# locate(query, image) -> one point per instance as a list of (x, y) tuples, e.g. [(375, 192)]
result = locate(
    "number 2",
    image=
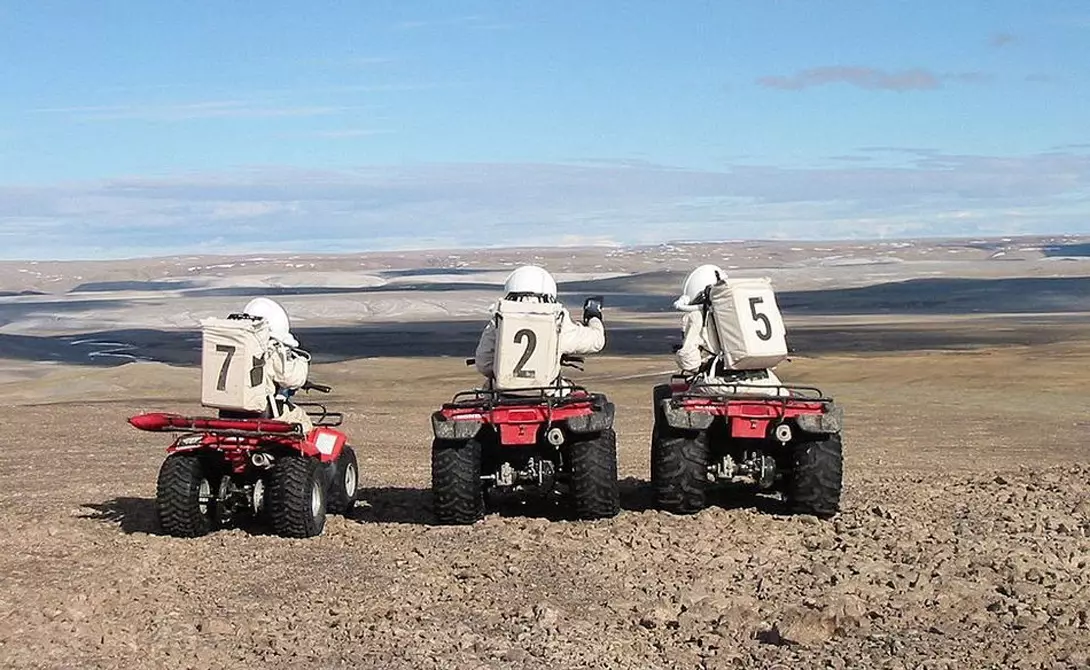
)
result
[(531, 346), (758, 317), (221, 383)]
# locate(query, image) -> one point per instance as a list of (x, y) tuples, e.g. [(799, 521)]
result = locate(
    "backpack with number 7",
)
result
[(233, 373), (748, 324)]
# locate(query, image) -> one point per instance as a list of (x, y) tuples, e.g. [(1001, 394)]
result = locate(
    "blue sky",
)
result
[(142, 128)]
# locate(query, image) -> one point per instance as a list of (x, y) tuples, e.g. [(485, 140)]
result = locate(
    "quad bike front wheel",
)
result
[(660, 427), (679, 470), (345, 485), (457, 493), (813, 483), (594, 489), (296, 497), (185, 496)]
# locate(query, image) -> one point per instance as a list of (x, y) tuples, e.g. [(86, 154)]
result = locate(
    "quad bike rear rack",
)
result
[(488, 398), (534, 395), (785, 392), (163, 422)]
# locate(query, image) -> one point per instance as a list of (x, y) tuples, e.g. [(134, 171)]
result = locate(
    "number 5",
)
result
[(758, 317)]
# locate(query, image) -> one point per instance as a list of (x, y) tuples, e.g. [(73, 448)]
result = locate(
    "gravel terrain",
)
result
[(964, 541)]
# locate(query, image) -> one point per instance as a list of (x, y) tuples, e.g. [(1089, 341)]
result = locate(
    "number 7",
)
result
[(221, 383)]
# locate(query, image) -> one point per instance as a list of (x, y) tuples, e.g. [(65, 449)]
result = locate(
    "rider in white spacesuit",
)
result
[(287, 364), (534, 284)]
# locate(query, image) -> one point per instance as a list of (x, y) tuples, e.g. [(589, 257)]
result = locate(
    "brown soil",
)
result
[(964, 541)]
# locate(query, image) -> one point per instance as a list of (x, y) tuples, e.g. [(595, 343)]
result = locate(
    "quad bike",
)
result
[(716, 432), (223, 470), (558, 438)]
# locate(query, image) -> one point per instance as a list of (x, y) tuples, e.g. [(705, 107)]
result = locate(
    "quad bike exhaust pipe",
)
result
[(261, 460), (783, 433), (555, 436)]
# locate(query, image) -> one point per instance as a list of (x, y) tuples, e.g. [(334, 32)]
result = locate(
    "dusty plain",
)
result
[(964, 541)]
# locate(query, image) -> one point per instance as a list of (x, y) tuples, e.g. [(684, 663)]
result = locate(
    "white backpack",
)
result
[(748, 324), (527, 353), (233, 375)]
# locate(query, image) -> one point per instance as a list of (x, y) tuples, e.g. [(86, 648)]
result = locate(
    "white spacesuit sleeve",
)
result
[(287, 368), (575, 338), (486, 349), (690, 355)]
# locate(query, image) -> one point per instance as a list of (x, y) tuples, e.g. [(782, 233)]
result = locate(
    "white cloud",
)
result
[(467, 205), (913, 79)]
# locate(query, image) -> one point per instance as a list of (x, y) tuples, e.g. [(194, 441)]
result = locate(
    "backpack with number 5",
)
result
[(233, 373), (527, 353), (748, 324)]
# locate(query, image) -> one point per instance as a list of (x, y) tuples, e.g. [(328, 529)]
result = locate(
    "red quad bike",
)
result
[(220, 471), (720, 432), (548, 438)]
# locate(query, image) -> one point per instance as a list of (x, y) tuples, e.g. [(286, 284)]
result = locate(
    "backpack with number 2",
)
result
[(233, 373), (527, 353), (748, 323)]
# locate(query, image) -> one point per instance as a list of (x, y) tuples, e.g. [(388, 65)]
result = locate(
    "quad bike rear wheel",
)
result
[(679, 470), (185, 495), (594, 490), (457, 493), (813, 483), (296, 497), (345, 484)]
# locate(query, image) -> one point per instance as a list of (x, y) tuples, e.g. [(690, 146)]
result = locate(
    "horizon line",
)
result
[(968, 239)]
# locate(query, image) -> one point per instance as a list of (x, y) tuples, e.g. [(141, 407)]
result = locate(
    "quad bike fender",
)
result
[(594, 422), (455, 429), (323, 443), (831, 421), (678, 417)]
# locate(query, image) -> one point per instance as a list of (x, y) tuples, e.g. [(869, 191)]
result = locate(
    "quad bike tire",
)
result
[(457, 493), (296, 497), (344, 486), (594, 490), (185, 496), (679, 470), (814, 481), (660, 428)]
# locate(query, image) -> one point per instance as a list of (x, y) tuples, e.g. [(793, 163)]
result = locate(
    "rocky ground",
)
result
[(964, 540)]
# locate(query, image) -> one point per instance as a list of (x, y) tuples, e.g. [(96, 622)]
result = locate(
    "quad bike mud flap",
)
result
[(679, 417), (832, 421), (461, 427), (594, 422), (325, 444)]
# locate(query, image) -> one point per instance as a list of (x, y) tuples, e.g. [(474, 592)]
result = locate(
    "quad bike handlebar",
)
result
[(313, 386)]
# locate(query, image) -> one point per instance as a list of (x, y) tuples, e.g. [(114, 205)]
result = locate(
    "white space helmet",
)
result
[(271, 311), (531, 279), (698, 280)]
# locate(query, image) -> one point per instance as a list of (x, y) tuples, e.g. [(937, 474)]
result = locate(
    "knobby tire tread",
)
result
[(594, 489), (457, 493)]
